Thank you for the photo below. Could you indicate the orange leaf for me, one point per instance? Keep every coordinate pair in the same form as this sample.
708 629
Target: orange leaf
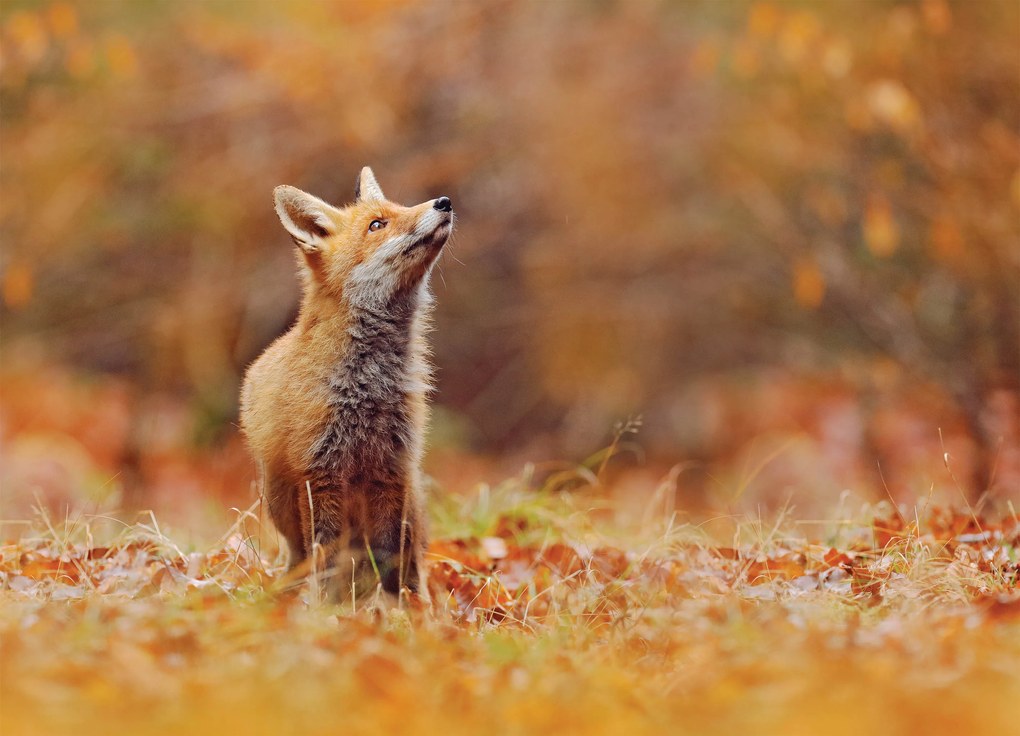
808 284
40 568
834 558
786 567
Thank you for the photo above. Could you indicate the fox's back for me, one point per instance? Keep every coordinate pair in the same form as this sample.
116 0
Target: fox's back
284 403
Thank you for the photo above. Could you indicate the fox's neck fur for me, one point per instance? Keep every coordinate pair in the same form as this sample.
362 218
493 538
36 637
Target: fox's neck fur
372 436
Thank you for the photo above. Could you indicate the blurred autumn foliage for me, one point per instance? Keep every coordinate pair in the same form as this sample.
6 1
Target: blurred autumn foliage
782 231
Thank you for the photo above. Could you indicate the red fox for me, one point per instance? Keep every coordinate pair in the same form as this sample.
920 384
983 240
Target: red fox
334 411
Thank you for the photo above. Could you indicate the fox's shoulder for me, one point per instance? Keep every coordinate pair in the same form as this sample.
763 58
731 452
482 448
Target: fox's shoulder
270 358
271 372
285 396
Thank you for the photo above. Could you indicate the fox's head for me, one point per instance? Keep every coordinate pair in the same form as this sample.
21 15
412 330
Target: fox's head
368 252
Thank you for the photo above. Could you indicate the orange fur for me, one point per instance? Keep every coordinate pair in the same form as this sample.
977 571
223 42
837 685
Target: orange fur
336 407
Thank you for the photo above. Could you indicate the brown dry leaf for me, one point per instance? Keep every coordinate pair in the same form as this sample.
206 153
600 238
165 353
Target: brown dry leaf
835 558
517 570
869 581
461 551
168 580
890 530
492 601
562 559
785 567
448 584
949 523
510 527
727 553
39 568
609 562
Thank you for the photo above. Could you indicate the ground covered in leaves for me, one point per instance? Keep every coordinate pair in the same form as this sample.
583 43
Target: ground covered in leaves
541 622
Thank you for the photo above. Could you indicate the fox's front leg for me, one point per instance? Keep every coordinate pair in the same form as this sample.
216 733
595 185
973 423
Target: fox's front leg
334 525
286 517
325 525
398 558
397 542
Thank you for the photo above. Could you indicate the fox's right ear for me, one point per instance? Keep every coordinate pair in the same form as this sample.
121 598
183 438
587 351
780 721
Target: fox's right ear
366 188
305 217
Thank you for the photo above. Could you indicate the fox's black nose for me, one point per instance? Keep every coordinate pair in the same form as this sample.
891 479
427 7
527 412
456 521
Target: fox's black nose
443 204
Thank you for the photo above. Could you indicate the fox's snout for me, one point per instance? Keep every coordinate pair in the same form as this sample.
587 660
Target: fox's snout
435 223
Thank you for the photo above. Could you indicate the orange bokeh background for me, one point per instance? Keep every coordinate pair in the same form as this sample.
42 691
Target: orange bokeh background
784 234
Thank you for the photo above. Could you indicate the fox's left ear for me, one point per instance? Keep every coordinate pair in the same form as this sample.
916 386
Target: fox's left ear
308 219
366 188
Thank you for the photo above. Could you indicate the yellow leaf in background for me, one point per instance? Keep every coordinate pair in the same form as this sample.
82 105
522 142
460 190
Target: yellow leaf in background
890 102
121 56
80 59
18 285
798 32
62 19
837 59
763 20
29 34
808 284
881 233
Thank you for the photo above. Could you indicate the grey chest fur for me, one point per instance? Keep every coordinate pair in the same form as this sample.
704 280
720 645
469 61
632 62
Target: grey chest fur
366 440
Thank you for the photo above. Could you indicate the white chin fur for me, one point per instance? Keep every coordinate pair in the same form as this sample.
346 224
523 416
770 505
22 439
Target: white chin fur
430 221
377 279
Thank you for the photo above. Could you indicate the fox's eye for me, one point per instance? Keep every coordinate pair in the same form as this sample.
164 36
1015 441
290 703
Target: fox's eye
377 225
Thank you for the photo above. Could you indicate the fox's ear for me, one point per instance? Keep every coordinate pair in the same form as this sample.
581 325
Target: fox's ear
366 188
305 217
